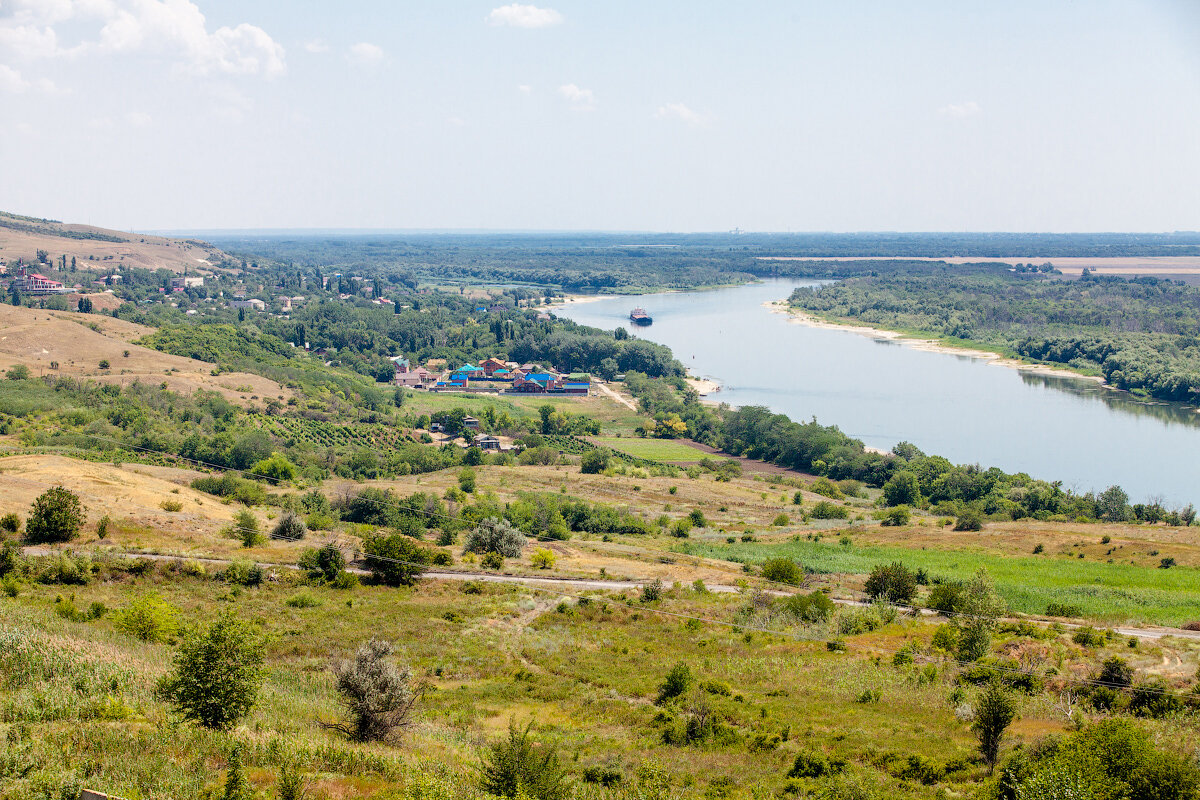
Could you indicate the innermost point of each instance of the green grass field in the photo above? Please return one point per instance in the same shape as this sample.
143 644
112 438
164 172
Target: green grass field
1112 593
653 449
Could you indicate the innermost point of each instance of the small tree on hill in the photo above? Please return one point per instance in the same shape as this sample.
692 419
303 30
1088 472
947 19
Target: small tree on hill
218 674
395 559
323 564
594 462
993 714
513 768
495 536
891 582
678 680
290 527
57 516
378 695
902 490
980 607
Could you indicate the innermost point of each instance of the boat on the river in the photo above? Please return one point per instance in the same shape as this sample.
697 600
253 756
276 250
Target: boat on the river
639 317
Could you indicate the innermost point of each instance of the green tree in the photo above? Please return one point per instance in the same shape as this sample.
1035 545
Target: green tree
57 516
891 582
594 461
513 767
494 535
903 489
395 559
994 712
675 684
1113 505
324 564
275 468
290 528
149 618
981 606
218 674
17 372
782 570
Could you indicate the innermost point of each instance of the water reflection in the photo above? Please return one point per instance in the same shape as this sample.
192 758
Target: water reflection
1091 391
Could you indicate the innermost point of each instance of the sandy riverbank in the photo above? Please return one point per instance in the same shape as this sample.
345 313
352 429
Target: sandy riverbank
928 345
573 299
703 386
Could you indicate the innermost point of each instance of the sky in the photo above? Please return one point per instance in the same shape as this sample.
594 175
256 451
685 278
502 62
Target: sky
847 115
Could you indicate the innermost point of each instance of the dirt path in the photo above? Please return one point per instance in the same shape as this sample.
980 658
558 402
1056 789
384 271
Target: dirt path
625 401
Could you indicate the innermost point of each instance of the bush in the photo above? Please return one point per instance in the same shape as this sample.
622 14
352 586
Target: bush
513 768
275 468
245 527
903 489
302 600
652 592
827 510
543 558
678 681
12 562
218 674
1088 637
891 582
495 536
243 572
1115 673
102 527
994 712
171 505
492 561
783 570
812 764
378 696
969 520
57 516
290 528
149 618
324 564
1063 610
896 517
826 488
948 597
395 559
10 523
594 461
815 607
780 520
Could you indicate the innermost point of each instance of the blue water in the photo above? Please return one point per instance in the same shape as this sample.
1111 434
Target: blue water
883 392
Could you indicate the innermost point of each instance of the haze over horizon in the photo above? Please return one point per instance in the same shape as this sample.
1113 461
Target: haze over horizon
569 116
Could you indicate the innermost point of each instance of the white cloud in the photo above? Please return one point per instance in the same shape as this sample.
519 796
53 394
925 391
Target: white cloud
365 53
11 80
582 99
961 110
316 46
525 88
517 15
455 122
172 29
680 112
138 119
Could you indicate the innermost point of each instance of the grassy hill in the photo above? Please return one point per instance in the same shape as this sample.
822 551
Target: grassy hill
23 237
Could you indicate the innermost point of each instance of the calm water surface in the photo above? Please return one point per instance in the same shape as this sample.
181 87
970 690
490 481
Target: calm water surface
883 392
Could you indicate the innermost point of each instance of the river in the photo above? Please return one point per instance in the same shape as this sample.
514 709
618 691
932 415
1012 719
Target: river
883 391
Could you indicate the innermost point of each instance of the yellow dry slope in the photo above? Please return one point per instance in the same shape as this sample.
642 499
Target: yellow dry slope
39 339
22 237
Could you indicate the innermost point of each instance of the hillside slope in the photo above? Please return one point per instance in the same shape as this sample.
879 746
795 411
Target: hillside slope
22 237
78 343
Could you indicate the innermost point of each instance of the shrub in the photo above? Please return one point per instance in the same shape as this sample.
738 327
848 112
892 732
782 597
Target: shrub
245 527
783 570
218 674
826 488
324 564
780 520
12 562
812 764
543 558
1115 672
1154 699
17 372
513 768
1088 637
10 523
896 517
102 527
290 528
395 559
302 600
948 597
493 561
827 510
104 363
344 580
466 480
945 638
652 592
149 618
495 536
891 582
1063 610
243 572
275 468
171 505
969 520
378 696
903 489
678 681
815 607
594 461
798 498
57 516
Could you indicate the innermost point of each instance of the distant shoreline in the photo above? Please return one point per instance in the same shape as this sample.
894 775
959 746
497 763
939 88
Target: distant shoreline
797 317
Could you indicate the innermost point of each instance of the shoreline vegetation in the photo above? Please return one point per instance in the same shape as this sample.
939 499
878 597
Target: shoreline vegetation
927 343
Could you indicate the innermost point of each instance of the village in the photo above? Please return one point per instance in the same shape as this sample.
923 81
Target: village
490 376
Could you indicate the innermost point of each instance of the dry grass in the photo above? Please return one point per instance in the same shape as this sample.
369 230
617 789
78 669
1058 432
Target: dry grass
148 252
36 338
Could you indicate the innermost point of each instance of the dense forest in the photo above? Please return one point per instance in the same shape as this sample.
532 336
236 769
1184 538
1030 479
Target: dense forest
1141 334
